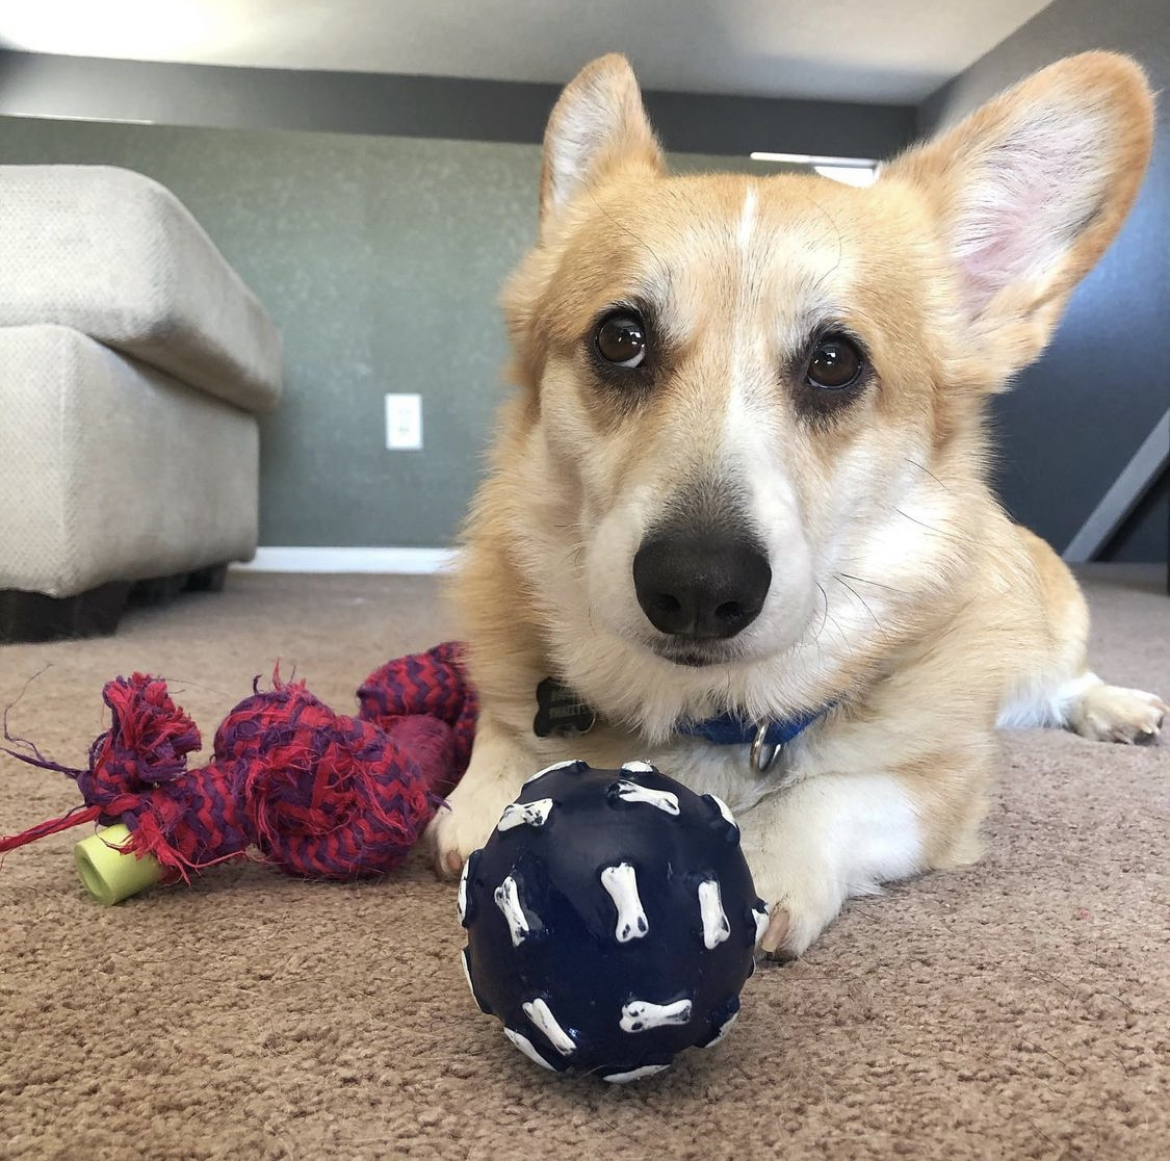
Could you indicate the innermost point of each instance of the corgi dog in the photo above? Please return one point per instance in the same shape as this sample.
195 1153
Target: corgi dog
738 522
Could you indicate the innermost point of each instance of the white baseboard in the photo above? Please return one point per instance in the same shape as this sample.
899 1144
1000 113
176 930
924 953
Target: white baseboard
355 559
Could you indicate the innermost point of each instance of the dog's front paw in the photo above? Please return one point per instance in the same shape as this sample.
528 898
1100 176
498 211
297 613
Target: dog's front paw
472 811
799 911
491 782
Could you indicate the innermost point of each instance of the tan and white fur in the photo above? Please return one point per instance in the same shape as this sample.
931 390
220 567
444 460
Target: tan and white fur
901 595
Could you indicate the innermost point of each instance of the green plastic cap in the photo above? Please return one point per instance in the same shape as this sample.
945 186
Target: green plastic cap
112 876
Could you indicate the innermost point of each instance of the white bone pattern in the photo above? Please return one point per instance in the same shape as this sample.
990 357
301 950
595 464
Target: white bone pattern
637 765
467 974
508 901
633 793
716 928
724 1030
761 918
534 814
463 892
724 810
545 1021
525 1046
648 1015
634 1075
621 882
553 767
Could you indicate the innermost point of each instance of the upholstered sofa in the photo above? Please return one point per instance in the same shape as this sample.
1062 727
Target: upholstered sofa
133 361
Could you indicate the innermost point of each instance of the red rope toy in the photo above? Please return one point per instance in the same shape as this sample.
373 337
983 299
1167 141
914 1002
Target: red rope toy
319 794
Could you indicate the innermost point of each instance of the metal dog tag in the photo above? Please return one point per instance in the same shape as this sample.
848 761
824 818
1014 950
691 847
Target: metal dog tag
560 711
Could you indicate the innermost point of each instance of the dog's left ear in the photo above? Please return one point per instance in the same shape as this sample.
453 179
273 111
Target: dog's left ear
598 129
1030 190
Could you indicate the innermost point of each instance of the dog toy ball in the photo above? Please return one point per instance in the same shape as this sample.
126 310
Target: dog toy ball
318 794
611 920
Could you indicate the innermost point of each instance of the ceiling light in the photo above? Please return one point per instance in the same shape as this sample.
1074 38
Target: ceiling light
850 175
853 171
812 159
81 117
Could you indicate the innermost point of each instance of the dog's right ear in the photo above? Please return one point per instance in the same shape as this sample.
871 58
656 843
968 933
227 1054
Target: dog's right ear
597 129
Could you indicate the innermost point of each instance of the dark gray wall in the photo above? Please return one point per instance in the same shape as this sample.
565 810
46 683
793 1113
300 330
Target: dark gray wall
380 259
1077 416
445 107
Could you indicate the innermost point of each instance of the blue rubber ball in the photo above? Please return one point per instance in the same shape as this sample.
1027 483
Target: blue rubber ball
611 920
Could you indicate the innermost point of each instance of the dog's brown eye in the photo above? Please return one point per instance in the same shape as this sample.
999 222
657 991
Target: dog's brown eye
621 339
836 363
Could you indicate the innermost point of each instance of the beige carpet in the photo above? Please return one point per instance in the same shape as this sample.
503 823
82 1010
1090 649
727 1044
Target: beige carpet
1020 1009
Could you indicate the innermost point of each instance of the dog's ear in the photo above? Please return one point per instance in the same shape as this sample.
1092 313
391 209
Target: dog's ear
597 128
1030 190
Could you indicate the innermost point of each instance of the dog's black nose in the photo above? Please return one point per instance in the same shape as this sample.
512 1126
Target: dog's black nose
701 585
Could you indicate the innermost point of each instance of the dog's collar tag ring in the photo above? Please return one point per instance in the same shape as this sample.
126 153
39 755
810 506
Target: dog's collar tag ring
764 754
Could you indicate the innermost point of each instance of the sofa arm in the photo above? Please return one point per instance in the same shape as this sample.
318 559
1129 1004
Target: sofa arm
116 256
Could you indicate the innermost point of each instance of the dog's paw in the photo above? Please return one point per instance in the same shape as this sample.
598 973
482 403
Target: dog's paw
800 914
465 824
1115 714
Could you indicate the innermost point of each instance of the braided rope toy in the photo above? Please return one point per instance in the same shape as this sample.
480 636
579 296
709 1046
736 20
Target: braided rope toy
317 793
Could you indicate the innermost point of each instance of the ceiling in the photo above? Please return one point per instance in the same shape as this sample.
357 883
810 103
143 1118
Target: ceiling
895 51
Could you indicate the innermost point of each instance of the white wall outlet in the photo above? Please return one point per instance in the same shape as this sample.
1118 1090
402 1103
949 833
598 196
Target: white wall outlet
403 421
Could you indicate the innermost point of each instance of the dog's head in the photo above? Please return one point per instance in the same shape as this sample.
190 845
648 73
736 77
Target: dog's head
761 397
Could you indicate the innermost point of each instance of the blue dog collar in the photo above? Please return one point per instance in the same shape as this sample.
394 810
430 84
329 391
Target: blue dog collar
730 730
561 711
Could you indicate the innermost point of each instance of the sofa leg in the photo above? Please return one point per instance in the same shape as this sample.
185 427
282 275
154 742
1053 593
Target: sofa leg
208 581
157 591
30 617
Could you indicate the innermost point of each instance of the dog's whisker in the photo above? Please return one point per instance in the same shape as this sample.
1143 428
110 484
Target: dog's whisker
821 628
876 621
870 582
922 468
816 205
842 637
663 269
932 528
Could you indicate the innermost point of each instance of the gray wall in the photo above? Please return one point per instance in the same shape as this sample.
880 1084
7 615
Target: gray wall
1076 417
381 260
